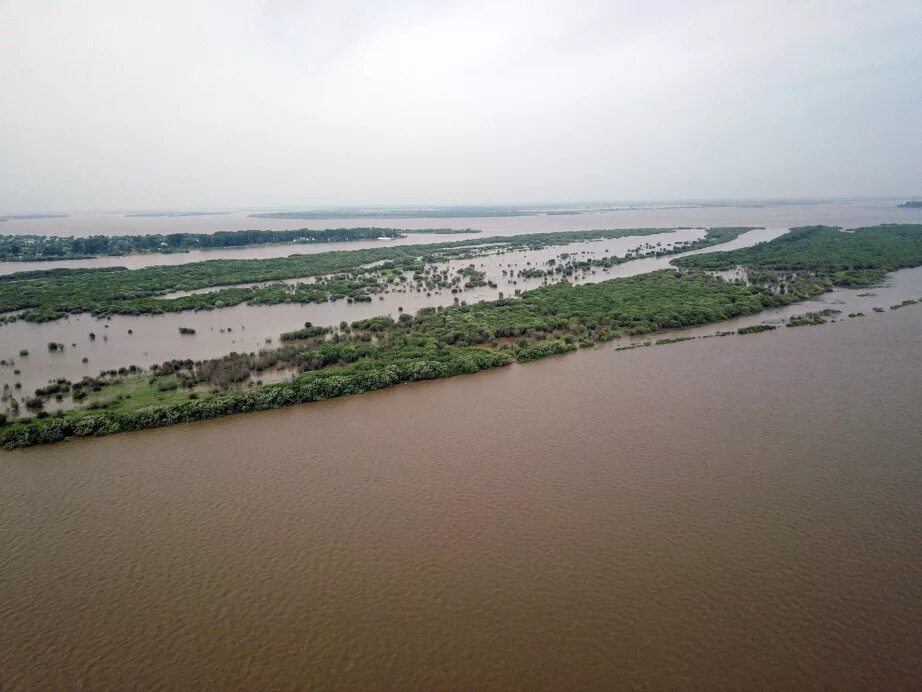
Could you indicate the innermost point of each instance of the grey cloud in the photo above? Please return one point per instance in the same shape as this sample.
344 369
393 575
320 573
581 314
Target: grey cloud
109 104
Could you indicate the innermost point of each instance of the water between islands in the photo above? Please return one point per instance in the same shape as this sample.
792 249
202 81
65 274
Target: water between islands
724 513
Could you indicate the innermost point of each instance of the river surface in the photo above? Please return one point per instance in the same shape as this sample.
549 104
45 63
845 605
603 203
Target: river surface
737 513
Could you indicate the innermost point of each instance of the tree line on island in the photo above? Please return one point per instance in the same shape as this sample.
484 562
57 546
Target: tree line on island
32 248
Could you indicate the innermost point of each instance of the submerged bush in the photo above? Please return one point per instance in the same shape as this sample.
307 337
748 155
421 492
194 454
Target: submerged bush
756 328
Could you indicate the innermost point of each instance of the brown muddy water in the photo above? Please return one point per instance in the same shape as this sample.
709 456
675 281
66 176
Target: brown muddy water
735 513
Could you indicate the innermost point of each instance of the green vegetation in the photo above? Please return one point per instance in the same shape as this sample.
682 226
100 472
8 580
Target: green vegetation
812 318
309 331
714 236
31 248
857 258
382 352
631 347
570 265
52 294
36 248
756 329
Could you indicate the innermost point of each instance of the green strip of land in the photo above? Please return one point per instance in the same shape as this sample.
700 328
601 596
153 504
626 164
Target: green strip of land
858 257
39 248
382 352
50 295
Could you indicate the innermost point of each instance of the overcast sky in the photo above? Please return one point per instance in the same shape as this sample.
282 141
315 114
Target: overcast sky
204 104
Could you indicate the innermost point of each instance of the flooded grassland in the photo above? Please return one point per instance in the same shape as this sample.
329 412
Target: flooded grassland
383 351
155 338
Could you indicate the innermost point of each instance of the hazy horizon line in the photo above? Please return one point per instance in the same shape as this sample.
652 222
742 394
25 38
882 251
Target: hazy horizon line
536 205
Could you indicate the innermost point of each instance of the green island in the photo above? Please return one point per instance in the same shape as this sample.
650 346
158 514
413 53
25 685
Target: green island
382 352
52 294
908 301
756 329
38 248
853 258
812 318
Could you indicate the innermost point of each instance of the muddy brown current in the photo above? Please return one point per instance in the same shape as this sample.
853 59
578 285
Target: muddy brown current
724 513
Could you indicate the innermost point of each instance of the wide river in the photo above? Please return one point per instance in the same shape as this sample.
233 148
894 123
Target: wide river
740 512
725 513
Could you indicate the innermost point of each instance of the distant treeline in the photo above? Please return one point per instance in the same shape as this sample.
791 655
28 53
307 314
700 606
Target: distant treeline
22 248
381 352
912 204
30 217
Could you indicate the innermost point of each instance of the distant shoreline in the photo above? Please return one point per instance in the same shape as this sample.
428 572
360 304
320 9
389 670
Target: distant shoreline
44 248
32 217
173 214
